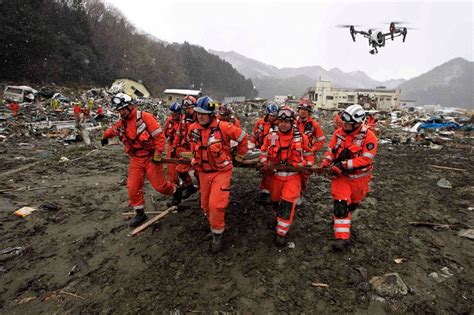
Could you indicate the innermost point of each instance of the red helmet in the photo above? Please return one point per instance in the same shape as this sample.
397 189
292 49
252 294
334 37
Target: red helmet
306 104
224 110
189 101
286 113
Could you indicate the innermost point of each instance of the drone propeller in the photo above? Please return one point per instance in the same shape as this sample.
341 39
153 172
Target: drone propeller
397 22
347 26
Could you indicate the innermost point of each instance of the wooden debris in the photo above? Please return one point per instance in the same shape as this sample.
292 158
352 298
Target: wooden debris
448 168
152 221
435 226
149 212
319 285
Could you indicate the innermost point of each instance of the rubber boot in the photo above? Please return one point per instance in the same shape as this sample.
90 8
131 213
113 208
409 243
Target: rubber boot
263 198
138 219
340 245
177 197
280 240
216 243
189 191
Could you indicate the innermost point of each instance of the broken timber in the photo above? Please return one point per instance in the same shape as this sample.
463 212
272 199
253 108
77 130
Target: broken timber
152 221
448 168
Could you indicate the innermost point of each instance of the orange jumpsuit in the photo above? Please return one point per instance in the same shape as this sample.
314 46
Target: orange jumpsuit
180 144
212 160
337 121
15 108
287 149
143 137
260 131
370 122
356 152
232 119
170 129
311 128
77 113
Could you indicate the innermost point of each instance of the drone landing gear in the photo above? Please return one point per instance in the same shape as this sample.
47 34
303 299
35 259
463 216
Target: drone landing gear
374 51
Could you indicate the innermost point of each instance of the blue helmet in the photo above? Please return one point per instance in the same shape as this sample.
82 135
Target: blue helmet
205 105
272 109
175 107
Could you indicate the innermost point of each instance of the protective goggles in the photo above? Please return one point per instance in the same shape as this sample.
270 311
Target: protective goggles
188 103
117 100
347 118
305 106
286 114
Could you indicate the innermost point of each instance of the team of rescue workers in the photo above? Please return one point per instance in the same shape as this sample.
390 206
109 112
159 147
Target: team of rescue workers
211 137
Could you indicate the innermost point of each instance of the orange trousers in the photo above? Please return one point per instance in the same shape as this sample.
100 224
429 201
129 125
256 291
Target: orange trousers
284 192
350 191
265 183
172 174
215 193
138 168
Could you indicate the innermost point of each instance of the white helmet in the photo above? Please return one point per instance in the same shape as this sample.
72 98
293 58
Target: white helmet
353 114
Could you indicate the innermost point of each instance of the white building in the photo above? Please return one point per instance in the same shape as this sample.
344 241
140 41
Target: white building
326 96
173 95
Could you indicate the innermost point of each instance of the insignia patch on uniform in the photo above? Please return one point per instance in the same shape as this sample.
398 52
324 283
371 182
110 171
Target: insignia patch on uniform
370 146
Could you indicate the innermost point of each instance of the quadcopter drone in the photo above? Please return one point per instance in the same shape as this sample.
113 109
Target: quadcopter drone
377 38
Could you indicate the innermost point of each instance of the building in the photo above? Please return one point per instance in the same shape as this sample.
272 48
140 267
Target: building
234 100
407 104
173 95
326 96
136 89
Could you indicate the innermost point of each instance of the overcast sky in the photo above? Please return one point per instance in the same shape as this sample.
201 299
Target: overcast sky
303 33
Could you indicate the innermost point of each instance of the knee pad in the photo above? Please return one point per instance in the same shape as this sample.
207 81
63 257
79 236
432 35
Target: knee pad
340 209
353 207
284 209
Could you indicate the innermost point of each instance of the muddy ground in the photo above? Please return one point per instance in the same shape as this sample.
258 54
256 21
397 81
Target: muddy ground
171 268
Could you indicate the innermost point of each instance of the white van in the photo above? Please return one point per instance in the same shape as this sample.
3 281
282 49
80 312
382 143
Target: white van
19 93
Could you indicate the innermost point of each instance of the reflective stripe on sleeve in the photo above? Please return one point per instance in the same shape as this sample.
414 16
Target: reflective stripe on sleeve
368 154
156 132
241 137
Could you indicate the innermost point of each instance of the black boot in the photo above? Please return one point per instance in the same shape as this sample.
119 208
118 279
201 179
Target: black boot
280 240
189 191
216 243
340 245
263 198
138 219
177 197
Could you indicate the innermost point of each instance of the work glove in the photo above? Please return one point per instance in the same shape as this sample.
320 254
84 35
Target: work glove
337 169
261 167
238 159
104 142
157 158
324 163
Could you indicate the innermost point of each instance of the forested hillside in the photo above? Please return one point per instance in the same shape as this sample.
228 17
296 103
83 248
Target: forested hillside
82 42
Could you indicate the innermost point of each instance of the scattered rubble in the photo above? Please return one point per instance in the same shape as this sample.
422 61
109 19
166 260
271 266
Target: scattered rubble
389 285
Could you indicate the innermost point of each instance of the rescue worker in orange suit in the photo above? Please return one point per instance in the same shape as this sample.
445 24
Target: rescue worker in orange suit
15 108
144 141
210 145
224 113
371 121
85 113
260 131
285 146
311 128
337 121
181 145
77 113
350 157
170 128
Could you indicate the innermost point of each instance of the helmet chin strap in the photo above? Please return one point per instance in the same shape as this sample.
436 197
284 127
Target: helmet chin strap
211 117
354 128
